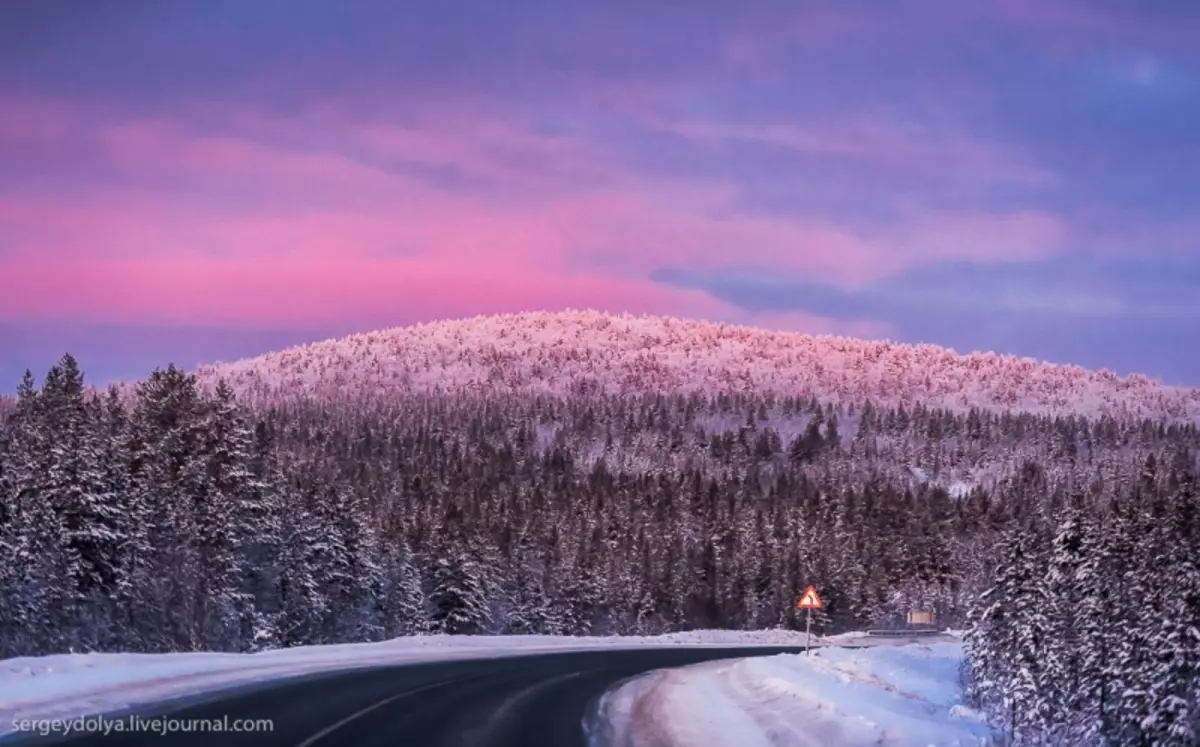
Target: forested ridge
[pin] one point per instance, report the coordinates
(578, 352)
(169, 517)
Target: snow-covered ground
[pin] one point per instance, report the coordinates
(72, 685)
(837, 697)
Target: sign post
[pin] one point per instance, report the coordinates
(808, 602)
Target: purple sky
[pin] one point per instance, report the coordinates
(192, 181)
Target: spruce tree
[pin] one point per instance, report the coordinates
(403, 600)
(458, 602)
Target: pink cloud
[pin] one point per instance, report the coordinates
(165, 150)
(109, 226)
(223, 226)
(314, 292)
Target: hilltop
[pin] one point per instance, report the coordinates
(579, 352)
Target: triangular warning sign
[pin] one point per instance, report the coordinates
(811, 600)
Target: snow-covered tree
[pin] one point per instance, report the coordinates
(458, 601)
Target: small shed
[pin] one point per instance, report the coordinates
(920, 619)
(917, 623)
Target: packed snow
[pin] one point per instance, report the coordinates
(588, 351)
(835, 697)
(71, 685)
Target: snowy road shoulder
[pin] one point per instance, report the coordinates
(67, 686)
(837, 697)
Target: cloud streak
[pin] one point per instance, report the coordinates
(516, 195)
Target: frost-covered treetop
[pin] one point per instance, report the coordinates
(580, 352)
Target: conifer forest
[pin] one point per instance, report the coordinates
(171, 515)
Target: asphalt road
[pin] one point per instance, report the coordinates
(520, 701)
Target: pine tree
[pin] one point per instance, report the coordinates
(1063, 666)
(169, 482)
(402, 601)
(529, 606)
(458, 602)
(131, 518)
(1101, 625)
(71, 485)
(302, 606)
(20, 597)
(47, 568)
(579, 603)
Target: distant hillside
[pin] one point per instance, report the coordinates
(587, 351)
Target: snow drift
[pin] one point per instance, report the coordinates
(837, 697)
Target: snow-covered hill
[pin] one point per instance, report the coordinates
(588, 351)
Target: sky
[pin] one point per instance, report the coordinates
(207, 180)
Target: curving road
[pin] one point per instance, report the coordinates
(519, 701)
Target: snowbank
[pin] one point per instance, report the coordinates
(72, 685)
(837, 697)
